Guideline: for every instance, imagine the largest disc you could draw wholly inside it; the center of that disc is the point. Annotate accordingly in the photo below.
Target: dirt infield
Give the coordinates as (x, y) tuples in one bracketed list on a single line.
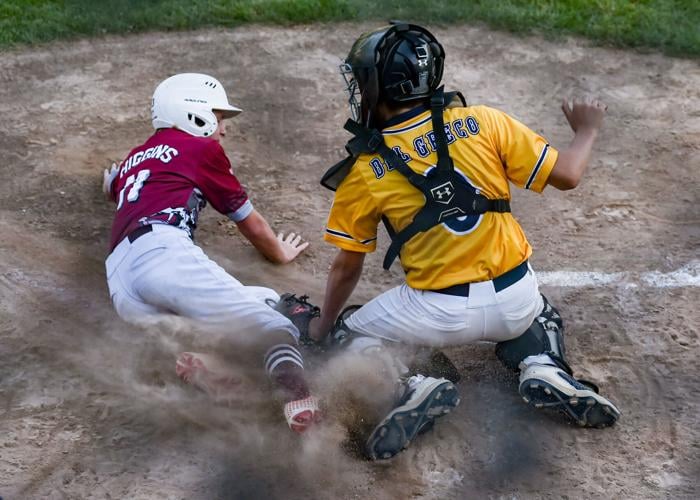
[(90, 407)]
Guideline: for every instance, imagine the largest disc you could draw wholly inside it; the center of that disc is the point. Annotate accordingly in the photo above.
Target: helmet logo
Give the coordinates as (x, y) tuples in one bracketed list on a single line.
[(443, 193), (422, 55)]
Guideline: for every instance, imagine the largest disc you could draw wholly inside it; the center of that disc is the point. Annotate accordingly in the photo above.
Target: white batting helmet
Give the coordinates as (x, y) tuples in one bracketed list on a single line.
[(187, 101)]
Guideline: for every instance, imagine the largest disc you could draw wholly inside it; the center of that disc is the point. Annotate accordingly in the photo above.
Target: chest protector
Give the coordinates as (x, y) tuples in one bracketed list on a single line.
[(446, 196)]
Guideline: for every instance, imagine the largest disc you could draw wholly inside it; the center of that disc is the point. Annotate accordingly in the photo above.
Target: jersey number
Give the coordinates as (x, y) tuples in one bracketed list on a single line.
[(135, 182)]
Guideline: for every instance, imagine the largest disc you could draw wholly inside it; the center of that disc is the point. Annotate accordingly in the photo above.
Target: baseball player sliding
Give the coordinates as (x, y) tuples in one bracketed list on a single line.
[(437, 172), (154, 267)]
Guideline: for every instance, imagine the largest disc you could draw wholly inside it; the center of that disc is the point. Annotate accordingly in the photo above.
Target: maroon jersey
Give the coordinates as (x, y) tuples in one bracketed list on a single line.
[(169, 179)]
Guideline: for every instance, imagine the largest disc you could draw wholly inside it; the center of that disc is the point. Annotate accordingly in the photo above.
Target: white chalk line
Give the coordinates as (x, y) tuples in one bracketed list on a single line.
[(686, 276)]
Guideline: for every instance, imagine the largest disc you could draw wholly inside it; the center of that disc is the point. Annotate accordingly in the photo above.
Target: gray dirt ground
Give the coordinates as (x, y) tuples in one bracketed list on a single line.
[(90, 407)]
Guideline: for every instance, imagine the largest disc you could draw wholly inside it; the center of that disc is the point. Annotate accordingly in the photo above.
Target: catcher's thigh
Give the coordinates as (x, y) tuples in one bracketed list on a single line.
[(404, 314), (165, 272)]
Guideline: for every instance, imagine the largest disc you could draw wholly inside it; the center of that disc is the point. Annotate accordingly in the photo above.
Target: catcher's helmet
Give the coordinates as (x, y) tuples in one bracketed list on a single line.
[(188, 101), (394, 64)]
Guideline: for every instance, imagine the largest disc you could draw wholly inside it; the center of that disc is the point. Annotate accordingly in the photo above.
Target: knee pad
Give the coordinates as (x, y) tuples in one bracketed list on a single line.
[(550, 314), (545, 335)]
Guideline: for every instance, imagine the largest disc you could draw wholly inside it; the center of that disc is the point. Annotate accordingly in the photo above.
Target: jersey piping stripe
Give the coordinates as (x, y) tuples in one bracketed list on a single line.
[(538, 165), (348, 237), (409, 127)]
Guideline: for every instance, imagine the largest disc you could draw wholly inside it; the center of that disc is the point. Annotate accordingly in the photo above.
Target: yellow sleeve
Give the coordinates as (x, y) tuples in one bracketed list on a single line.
[(354, 217), (527, 156)]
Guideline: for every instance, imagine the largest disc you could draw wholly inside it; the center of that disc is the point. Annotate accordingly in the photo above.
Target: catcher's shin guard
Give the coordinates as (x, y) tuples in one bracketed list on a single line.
[(341, 334), (545, 335)]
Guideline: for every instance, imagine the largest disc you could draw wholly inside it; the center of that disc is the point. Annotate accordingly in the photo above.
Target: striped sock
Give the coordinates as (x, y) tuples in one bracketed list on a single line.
[(284, 365), (282, 353)]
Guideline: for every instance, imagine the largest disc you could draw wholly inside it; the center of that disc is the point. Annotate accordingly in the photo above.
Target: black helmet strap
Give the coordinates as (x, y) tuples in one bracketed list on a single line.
[(370, 97), (437, 106)]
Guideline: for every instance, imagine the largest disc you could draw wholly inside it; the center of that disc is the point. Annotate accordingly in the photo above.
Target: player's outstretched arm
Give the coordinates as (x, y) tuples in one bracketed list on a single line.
[(279, 249), (585, 118), (345, 272), (108, 178)]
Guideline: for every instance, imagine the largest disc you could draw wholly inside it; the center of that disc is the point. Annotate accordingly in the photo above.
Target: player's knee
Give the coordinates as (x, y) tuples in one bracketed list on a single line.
[(366, 346), (544, 335), (283, 334), (532, 341), (375, 351)]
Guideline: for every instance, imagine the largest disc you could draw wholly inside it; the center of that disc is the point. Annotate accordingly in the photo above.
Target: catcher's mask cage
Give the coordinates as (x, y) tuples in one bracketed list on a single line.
[(188, 101), (397, 63)]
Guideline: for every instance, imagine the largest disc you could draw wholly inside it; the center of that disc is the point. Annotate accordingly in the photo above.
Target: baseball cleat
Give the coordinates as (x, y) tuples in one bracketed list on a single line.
[(301, 414), (548, 386), (426, 399), (207, 373)]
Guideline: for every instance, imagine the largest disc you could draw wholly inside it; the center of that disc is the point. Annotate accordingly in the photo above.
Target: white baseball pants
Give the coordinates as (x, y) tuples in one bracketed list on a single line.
[(164, 272), (404, 314)]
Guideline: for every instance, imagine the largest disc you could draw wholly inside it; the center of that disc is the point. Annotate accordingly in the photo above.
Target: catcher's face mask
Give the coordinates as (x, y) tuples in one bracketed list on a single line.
[(353, 90)]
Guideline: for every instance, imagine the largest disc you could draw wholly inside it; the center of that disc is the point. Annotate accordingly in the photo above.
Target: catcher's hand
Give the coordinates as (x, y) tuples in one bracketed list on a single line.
[(584, 113), (300, 312)]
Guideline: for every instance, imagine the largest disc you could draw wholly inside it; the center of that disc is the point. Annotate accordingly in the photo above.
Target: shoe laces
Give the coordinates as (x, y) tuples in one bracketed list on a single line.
[(302, 413), (406, 387), (303, 300), (414, 380)]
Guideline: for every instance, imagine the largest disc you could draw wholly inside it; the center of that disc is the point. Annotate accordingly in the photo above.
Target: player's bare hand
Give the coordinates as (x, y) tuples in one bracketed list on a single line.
[(108, 177), (291, 245), (584, 113)]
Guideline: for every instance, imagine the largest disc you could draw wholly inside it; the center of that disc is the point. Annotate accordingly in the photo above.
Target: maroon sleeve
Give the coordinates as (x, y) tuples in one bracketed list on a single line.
[(216, 181)]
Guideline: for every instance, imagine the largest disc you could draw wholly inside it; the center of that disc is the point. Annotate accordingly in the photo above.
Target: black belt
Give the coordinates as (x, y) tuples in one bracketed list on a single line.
[(138, 232), (500, 283)]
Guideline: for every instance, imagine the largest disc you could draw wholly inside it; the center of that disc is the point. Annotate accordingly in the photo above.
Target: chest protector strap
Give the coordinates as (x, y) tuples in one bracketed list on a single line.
[(446, 195)]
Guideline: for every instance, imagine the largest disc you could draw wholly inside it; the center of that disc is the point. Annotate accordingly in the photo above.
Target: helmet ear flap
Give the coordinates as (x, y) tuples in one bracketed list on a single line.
[(202, 123), (370, 96), (437, 50), (439, 57)]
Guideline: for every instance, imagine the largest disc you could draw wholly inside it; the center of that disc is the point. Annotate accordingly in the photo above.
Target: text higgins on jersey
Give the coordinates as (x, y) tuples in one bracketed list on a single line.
[(162, 152)]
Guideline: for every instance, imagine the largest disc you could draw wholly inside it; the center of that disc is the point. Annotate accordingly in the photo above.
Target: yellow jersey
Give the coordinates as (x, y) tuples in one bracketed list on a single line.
[(489, 149)]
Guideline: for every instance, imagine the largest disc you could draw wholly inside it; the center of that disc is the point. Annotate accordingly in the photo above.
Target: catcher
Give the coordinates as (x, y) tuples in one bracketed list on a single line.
[(154, 266), (437, 173)]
